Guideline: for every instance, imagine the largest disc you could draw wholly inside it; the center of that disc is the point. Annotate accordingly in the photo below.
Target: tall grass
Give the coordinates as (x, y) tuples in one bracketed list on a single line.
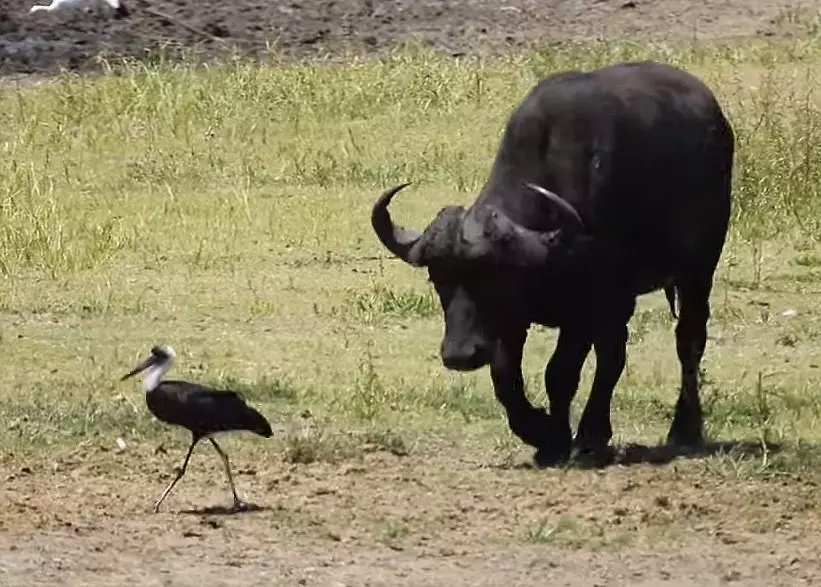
[(76, 152), (228, 206)]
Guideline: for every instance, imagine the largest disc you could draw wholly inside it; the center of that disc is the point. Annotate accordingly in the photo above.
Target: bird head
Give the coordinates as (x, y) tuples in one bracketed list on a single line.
[(160, 355)]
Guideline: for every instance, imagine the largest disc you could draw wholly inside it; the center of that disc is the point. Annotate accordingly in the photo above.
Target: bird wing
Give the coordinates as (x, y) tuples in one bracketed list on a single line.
[(206, 410)]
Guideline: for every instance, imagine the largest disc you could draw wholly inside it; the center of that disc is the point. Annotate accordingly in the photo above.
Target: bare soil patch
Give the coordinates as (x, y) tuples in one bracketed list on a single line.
[(43, 43), (385, 520)]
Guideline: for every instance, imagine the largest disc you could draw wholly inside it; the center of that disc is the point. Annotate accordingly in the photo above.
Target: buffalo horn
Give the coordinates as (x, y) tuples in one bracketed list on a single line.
[(396, 239), (568, 211)]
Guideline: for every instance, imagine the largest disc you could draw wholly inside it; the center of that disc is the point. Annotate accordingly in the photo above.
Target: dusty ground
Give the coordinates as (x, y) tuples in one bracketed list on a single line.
[(42, 43), (388, 520)]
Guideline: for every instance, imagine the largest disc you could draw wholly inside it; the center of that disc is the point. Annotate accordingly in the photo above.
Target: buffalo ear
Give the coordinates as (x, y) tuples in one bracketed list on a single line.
[(440, 241), (527, 248)]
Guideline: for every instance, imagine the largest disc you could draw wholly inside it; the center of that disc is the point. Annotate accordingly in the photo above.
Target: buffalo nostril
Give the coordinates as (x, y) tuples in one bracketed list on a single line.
[(460, 360), (451, 361)]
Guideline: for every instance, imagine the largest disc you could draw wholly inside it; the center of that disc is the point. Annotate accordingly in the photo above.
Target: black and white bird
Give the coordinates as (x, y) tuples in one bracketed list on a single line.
[(120, 9), (202, 410)]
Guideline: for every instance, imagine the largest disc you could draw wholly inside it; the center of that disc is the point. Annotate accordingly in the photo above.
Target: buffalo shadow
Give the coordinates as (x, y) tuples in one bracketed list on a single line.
[(662, 454), (659, 454)]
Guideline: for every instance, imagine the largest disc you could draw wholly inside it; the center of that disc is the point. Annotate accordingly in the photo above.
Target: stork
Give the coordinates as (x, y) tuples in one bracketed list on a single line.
[(120, 10), (202, 410)]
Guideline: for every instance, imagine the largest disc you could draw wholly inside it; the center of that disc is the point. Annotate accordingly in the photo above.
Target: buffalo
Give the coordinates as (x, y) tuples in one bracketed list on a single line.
[(607, 185)]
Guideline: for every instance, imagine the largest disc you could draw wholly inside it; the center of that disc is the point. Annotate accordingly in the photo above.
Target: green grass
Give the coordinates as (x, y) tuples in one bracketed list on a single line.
[(224, 210)]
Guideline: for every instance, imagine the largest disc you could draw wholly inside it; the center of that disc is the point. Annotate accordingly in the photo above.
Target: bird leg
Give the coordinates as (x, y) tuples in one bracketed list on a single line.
[(180, 473), (239, 505)]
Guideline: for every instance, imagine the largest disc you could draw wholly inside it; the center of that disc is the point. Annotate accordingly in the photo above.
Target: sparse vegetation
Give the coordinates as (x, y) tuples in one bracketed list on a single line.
[(225, 210), (176, 203)]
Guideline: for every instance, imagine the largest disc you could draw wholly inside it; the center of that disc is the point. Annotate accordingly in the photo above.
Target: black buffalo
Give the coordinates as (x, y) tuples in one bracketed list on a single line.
[(607, 185)]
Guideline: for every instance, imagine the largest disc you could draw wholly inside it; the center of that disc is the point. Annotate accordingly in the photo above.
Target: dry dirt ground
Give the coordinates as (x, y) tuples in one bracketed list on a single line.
[(42, 42), (443, 520)]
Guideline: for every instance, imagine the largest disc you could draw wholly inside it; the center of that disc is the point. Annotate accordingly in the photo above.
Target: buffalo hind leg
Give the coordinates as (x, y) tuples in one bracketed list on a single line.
[(595, 427), (691, 338), (561, 379), (528, 423)]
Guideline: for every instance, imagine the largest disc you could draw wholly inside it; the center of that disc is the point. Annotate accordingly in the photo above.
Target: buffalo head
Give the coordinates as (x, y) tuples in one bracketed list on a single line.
[(473, 259)]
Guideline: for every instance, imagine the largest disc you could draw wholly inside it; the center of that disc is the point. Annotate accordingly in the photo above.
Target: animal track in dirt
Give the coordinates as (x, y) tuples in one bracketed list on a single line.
[(44, 43)]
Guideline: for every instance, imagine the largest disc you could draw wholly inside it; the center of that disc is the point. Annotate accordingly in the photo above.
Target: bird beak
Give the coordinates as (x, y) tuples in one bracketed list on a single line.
[(141, 367)]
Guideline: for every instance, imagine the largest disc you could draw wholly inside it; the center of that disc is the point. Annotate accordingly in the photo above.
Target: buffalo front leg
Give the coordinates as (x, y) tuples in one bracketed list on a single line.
[(528, 423), (691, 338), (595, 428), (561, 379)]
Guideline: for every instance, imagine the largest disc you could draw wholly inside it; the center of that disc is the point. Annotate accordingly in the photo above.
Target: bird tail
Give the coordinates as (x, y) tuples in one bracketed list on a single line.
[(256, 422)]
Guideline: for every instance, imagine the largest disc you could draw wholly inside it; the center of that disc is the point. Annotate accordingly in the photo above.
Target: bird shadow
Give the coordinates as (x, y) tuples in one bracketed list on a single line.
[(660, 454), (221, 510)]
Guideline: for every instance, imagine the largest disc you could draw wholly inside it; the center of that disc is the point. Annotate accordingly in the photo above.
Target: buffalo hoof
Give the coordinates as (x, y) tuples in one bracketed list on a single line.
[(532, 427), (685, 435), (594, 450), (594, 457), (554, 453), (549, 457)]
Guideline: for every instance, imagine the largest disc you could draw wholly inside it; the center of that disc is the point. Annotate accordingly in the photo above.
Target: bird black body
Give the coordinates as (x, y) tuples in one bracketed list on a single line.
[(202, 410)]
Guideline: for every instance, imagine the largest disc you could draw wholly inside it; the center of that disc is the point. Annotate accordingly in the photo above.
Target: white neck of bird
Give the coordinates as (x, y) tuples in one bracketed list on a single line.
[(154, 375)]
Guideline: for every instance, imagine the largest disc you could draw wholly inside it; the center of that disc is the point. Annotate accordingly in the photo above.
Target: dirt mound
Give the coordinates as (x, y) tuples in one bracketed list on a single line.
[(46, 42)]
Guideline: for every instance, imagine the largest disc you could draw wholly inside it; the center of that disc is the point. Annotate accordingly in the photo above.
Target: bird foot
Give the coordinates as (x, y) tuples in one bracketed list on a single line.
[(240, 506)]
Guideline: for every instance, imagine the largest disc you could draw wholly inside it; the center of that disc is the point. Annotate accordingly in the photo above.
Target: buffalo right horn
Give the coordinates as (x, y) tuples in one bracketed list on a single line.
[(568, 211), (397, 240)]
